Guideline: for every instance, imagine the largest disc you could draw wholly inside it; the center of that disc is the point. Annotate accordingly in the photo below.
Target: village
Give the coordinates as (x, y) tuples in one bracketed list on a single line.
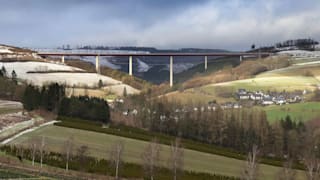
[(250, 98), (243, 98)]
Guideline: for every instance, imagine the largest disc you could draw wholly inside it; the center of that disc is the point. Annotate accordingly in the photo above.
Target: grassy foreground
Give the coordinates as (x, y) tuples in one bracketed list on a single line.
[(99, 145)]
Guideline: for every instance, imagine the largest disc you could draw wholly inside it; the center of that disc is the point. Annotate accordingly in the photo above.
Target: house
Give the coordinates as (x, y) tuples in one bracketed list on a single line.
[(256, 96), (134, 112), (267, 101), (294, 99), (125, 113), (280, 100), (237, 106), (242, 94)]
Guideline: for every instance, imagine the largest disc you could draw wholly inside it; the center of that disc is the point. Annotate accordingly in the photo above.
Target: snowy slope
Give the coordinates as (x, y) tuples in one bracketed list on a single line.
[(78, 79), (4, 50)]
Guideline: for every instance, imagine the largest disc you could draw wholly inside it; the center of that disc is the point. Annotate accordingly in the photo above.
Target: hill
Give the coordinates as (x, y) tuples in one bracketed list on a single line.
[(274, 73), (30, 68)]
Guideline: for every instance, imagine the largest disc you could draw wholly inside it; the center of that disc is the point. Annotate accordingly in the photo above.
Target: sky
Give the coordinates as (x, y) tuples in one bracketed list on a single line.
[(220, 24)]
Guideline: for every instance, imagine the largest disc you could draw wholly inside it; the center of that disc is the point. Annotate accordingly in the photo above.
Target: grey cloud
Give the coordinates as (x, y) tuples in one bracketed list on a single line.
[(233, 24)]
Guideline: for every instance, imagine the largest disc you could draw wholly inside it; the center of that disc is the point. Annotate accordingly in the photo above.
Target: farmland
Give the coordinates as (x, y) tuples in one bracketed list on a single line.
[(99, 144), (297, 112)]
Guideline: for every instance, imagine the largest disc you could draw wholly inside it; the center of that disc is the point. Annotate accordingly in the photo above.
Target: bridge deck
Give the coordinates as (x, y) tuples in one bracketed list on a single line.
[(154, 54)]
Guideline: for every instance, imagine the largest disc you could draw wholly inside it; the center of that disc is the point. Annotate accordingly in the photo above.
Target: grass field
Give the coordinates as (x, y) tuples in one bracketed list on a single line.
[(273, 83), (11, 174), (99, 144), (298, 112)]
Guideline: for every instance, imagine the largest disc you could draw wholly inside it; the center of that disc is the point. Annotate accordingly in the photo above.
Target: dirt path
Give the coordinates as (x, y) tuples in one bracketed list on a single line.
[(6, 141)]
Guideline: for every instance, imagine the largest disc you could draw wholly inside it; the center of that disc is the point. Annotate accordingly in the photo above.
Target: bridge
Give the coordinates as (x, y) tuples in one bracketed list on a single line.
[(170, 55)]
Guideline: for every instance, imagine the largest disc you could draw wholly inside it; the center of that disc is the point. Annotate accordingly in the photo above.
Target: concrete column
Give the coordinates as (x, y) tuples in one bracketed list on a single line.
[(130, 65), (205, 62), (62, 59), (97, 64), (171, 71), (240, 58)]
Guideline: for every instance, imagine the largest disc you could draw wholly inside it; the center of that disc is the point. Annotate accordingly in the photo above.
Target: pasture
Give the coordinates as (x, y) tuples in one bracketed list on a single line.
[(99, 145), (298, 112)]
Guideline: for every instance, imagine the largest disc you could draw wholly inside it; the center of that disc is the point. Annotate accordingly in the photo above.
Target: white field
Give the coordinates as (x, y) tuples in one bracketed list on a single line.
[(118, 89), (73, 78), (5, 49), (302, 53)]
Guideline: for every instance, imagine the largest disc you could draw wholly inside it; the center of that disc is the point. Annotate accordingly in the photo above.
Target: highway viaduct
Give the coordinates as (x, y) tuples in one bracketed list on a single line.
[(170, 55)]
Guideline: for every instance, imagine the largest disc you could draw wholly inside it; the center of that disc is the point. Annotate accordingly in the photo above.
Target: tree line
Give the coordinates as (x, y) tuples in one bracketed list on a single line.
[(84, 107), (52, 98), (237, 129)]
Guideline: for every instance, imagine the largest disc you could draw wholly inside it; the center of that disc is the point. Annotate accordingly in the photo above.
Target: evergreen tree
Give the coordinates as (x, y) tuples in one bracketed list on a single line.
[(14, 76), (3, 72), (100, 83), (124, 92)]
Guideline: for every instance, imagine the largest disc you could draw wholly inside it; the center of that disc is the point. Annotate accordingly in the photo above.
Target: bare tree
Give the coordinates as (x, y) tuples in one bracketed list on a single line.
[(252, 165), (287, 173), (82, 155), (67, 150), (151, 158), (42, 146), (175, 161), (313, 167), (116, 156), (33, 143)]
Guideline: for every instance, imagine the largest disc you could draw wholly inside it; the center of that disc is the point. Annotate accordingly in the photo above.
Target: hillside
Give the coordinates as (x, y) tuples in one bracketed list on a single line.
[(30, 68), (273, 73), (11, 53)]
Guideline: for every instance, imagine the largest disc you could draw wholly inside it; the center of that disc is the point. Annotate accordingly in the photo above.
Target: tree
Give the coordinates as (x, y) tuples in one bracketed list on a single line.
[(3, 72), (33, 142), (175, 160), (42, 146), (316, 96), (151, 158), (116, 156), (68, 148), (82, 154), (252, 165), (14, 76), (287, 173), (124, 92), (312, 164), (100, 83)]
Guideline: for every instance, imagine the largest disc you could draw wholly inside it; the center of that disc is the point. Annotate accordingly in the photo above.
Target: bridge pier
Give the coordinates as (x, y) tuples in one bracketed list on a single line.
[(240, 58), (171, 71), (97, 64), (62, 59), (205, 63), (130, 65)]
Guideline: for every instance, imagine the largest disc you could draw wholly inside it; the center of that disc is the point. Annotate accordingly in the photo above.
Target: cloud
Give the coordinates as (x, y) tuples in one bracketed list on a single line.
[(233, 24)]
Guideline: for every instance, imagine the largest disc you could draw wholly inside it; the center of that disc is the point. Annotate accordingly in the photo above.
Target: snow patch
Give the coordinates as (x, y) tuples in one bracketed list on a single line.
[(142, 66), (178, 68), (302, 53)]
